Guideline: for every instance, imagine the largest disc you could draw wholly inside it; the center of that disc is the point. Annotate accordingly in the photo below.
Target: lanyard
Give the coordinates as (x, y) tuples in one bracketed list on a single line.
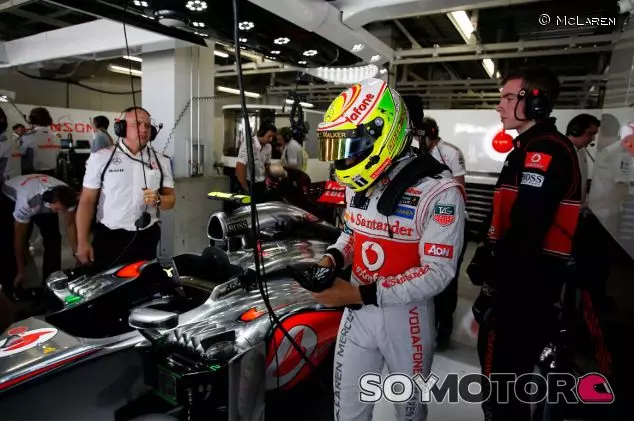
[(147, 164)]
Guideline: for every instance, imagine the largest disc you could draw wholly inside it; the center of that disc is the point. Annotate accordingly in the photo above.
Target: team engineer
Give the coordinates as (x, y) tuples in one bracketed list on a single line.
[(262, 151), (123, 182), (40, 147), (535, 213), (36, 199)]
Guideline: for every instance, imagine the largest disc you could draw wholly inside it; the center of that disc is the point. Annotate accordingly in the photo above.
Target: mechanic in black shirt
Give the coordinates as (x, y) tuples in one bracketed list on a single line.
[(529, 242)]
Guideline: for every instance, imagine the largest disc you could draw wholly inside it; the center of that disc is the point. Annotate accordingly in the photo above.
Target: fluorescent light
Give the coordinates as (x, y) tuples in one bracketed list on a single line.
[(3, 98), (463, 24), (220, 54), (243, 40), (275, 52), (357, 47), (140, 3), (302, 62), (303, 104), (345, 75), (199, 24), (375, 58), (133, 58), (310, 53), (237, 92), (124, 70), (488, 65)]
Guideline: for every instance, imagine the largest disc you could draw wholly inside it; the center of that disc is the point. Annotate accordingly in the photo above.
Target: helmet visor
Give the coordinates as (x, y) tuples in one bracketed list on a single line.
[(336, 145)]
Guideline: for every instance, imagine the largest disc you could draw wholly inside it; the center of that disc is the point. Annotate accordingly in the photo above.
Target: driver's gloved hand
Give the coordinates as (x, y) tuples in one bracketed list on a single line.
[(315, 278), (318, 278)]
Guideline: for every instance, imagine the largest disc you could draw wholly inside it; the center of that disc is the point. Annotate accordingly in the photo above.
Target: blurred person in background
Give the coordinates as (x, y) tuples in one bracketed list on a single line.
[(610, 176), (293, 152), (101, 138), (10, 165), (262, 151), (18, 131), (40, 146), (581, 131), (450, 155)]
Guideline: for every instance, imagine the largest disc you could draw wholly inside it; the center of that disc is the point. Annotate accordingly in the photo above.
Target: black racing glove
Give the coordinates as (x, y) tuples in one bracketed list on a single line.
[(313, 277), (317, 278)]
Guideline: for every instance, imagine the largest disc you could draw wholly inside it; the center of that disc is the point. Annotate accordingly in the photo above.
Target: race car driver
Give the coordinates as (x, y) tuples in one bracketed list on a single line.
[(400, 260), (527, 253)]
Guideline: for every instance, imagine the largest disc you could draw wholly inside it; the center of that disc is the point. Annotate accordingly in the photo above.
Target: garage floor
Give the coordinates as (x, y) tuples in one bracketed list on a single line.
[(460, 358)]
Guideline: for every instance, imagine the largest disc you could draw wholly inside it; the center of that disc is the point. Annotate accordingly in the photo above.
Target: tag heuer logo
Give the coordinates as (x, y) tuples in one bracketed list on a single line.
[(444, 214)]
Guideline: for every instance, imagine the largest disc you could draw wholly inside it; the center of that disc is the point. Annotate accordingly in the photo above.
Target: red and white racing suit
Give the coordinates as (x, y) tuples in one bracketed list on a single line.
[(400, 262)]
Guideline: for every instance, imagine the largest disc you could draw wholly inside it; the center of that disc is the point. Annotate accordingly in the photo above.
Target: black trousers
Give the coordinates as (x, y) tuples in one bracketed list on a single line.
[(445, 303), (512, 345), (117, 247), (48, 225)]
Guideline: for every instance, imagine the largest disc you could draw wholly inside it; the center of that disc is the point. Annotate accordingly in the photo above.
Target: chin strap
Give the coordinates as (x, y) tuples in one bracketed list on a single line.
[(420, 166)]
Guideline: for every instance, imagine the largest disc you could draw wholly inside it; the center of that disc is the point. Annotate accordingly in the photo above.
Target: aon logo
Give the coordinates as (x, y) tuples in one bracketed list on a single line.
[(439, 250)]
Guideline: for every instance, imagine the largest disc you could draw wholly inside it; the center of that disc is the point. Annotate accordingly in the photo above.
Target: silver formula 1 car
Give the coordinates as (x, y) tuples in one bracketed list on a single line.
[(87, 359)]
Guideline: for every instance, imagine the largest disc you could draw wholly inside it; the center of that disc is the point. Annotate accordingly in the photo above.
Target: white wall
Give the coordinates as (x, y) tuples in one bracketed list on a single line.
[(63, 95)]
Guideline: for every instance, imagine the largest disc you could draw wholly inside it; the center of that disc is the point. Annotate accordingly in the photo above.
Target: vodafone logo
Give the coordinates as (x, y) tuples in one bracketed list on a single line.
[(373, 255), (537, 160), (25, 340)]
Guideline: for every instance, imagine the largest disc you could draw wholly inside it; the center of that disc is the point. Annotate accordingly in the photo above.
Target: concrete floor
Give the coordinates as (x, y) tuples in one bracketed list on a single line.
[(460, 358)]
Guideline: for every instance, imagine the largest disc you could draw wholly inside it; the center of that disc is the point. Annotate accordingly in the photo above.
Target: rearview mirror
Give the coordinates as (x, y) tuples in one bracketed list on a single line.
[(150, 318)]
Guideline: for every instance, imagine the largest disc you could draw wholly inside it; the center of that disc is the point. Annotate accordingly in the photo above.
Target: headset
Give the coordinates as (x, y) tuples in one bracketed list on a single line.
[(537, 104), (121, 126), (580, 123)]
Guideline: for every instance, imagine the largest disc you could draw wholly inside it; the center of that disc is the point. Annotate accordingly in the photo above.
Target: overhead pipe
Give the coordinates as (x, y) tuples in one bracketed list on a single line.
[(523, 54), (516, 45)]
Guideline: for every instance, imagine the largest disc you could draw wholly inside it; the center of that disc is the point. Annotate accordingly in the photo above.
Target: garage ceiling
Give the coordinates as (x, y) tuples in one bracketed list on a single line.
[(431, 56)]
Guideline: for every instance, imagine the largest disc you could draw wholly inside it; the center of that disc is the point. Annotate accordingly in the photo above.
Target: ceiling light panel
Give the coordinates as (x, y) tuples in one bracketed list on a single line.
[(281, 41), (246, 26), (196, 5), (263, 32)]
